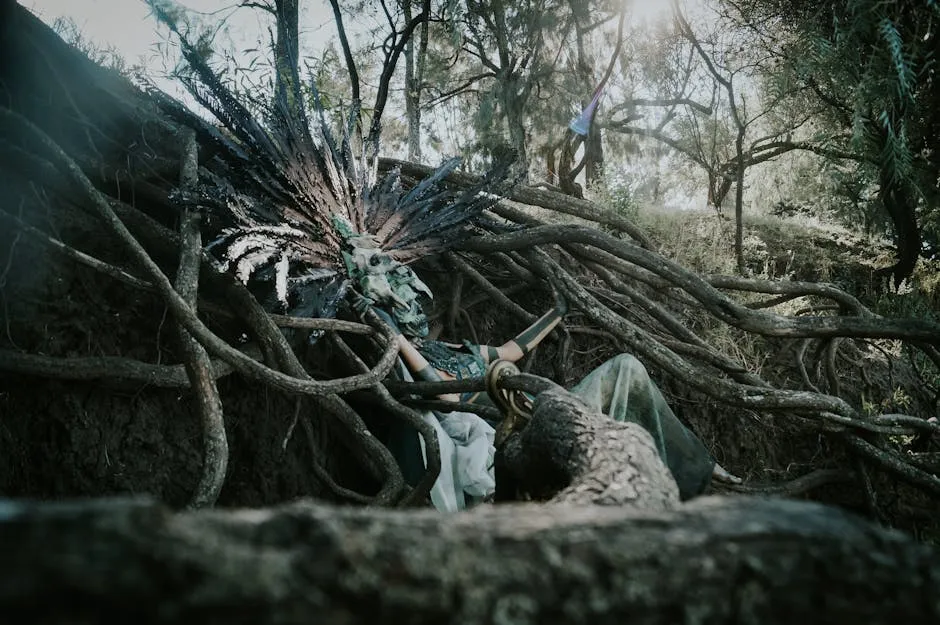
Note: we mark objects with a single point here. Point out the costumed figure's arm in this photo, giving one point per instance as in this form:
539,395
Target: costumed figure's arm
528,339
419,366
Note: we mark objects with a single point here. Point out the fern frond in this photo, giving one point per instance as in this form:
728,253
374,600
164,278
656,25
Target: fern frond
904,73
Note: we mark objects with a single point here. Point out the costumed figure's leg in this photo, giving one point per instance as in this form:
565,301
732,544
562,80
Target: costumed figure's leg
622,389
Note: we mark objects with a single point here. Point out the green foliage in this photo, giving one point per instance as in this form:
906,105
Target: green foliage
867,67
618,192
329,84
915,298
863,61
903,64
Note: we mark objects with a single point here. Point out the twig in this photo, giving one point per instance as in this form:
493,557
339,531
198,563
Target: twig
908,421
790,287
531,359
892,464
871,499
562,359
515,268
522,382
774,301
468,321
399,388
107,369
307,323
832,373
817,308
797,486
74,254
801,365
319,472
440,405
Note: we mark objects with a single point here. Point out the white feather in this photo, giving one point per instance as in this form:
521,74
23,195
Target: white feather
280,279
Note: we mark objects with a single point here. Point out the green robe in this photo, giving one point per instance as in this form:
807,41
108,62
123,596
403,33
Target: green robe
622,389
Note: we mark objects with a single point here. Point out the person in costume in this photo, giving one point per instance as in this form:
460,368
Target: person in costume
620,388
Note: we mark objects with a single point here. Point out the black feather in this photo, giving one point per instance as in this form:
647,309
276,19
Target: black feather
280,183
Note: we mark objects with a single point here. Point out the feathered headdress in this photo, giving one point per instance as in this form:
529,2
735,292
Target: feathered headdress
308,218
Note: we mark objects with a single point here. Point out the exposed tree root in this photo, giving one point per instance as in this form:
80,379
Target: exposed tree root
621,292
198,365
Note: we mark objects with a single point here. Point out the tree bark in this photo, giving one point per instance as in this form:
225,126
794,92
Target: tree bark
286,57
899,202
578,456
715,560
415,61
514,101
594,156
739,199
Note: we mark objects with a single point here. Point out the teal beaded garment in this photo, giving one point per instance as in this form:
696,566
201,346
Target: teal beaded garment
461,361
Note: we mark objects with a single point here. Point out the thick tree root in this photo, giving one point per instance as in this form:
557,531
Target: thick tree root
54,130
642,557
590,459
716,560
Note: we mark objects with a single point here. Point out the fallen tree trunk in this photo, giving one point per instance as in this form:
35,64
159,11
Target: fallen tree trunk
646,559
717,560
71,126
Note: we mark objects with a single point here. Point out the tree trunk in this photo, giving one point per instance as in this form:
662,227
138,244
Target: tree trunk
719,184
641,557
715,560
594,156
514,109
593,147
900,204
286,52
414,77
739,201
567,170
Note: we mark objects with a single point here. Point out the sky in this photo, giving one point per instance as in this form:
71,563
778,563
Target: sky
128,27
